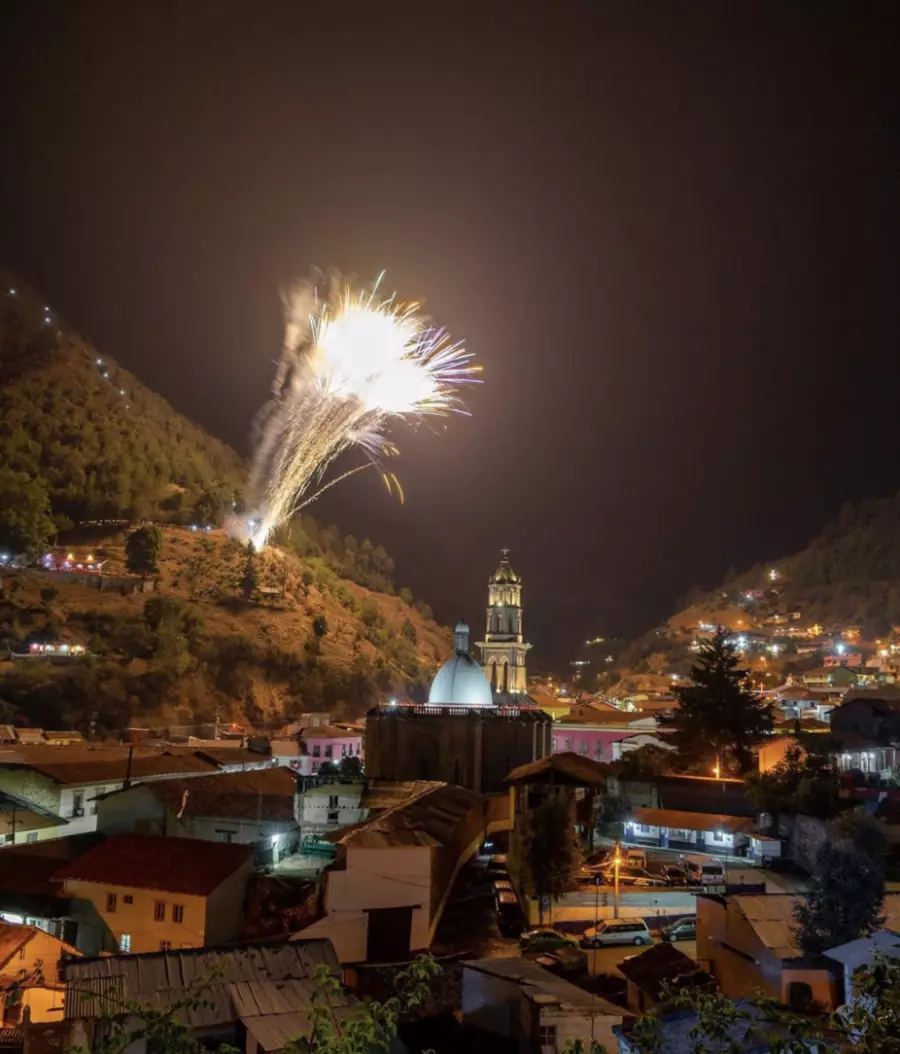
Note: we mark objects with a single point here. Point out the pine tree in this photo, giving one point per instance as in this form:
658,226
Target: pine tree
718,715
142,550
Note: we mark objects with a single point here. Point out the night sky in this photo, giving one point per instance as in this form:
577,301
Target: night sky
668,230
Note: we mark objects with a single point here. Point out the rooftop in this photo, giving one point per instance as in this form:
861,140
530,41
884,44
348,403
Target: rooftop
565,767
430,817
250,979
860,952
693,821
541,986
662,964
176,865
330,732
72,766
264,794
14,937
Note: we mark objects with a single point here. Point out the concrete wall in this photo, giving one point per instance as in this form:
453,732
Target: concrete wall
497,1006
225,907
579,1024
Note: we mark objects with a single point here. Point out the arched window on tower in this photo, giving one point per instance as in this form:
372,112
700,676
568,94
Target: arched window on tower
505,676
494,675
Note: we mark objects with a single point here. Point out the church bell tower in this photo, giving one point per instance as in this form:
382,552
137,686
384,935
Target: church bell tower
503,650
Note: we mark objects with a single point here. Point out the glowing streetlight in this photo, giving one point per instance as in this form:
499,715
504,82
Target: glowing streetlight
773,575
717,770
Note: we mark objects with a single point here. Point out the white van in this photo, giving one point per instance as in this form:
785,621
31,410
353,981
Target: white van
617,931
702,871
636,858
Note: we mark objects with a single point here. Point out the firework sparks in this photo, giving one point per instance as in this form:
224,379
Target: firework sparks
351,363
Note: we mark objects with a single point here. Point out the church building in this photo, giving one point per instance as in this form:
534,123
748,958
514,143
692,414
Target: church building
473,730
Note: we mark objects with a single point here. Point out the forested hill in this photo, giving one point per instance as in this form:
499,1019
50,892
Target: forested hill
86,431
848,576
85,449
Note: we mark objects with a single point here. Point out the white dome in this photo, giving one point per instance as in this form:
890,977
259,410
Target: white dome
460,681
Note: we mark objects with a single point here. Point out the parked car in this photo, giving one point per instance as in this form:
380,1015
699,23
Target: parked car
681,930
497,867
509,914
503,884
545,940
674,876
617,931
703,870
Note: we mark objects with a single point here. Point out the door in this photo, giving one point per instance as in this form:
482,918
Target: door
389,934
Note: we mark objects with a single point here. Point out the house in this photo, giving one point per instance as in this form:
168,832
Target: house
594,733
851,659
259,997
854,955
332,806
750,943
830,678
867,726
386,890
29,892
771,752
23,821
141,893
655,970
30,956
696,831
64,781
676,1033
521,1003
256,806
326,745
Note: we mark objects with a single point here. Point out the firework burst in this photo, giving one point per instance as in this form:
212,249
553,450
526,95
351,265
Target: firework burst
352,362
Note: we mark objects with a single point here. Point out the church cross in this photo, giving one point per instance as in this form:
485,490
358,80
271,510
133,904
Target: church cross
504,552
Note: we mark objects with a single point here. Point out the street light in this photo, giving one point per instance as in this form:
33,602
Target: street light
617,860
716,768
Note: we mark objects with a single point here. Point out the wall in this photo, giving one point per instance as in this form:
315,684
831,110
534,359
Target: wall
592,742
42,951
137,918
476,751
133,810
25,783
380,878
225,907
315,808
580,1024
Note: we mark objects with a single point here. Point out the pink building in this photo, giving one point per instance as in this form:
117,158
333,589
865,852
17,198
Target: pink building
596,734
327,745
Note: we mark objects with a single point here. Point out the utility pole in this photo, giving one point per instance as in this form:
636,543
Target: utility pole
617,860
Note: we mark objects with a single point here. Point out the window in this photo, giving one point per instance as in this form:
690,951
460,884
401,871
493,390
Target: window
31,836
358,745
78,803
159,911
598,749
328,750
125,942
584,746
547,1037
718,836
178,912
316,749
555,744
568,743
343,750
332,801
111,902
225,836
128,899
164,946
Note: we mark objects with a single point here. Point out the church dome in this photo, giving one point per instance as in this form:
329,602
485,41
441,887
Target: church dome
504,573
460,681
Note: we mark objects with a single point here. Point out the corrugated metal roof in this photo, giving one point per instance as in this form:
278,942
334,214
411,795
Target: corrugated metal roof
430,818
572,767
158,978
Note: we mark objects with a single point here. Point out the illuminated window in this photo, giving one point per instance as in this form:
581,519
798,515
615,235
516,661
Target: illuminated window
178,912
125,942
316,750
164,946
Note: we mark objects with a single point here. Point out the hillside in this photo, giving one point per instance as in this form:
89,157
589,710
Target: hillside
96,440
81,441
846,579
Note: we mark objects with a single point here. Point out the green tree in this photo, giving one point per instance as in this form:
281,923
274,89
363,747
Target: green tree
543,851
320,626
250,581
406,596
718,715
209,509
350,768
143,548
843,901
26,525
805,782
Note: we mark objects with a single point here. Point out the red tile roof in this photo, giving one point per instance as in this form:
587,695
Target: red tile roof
175,865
